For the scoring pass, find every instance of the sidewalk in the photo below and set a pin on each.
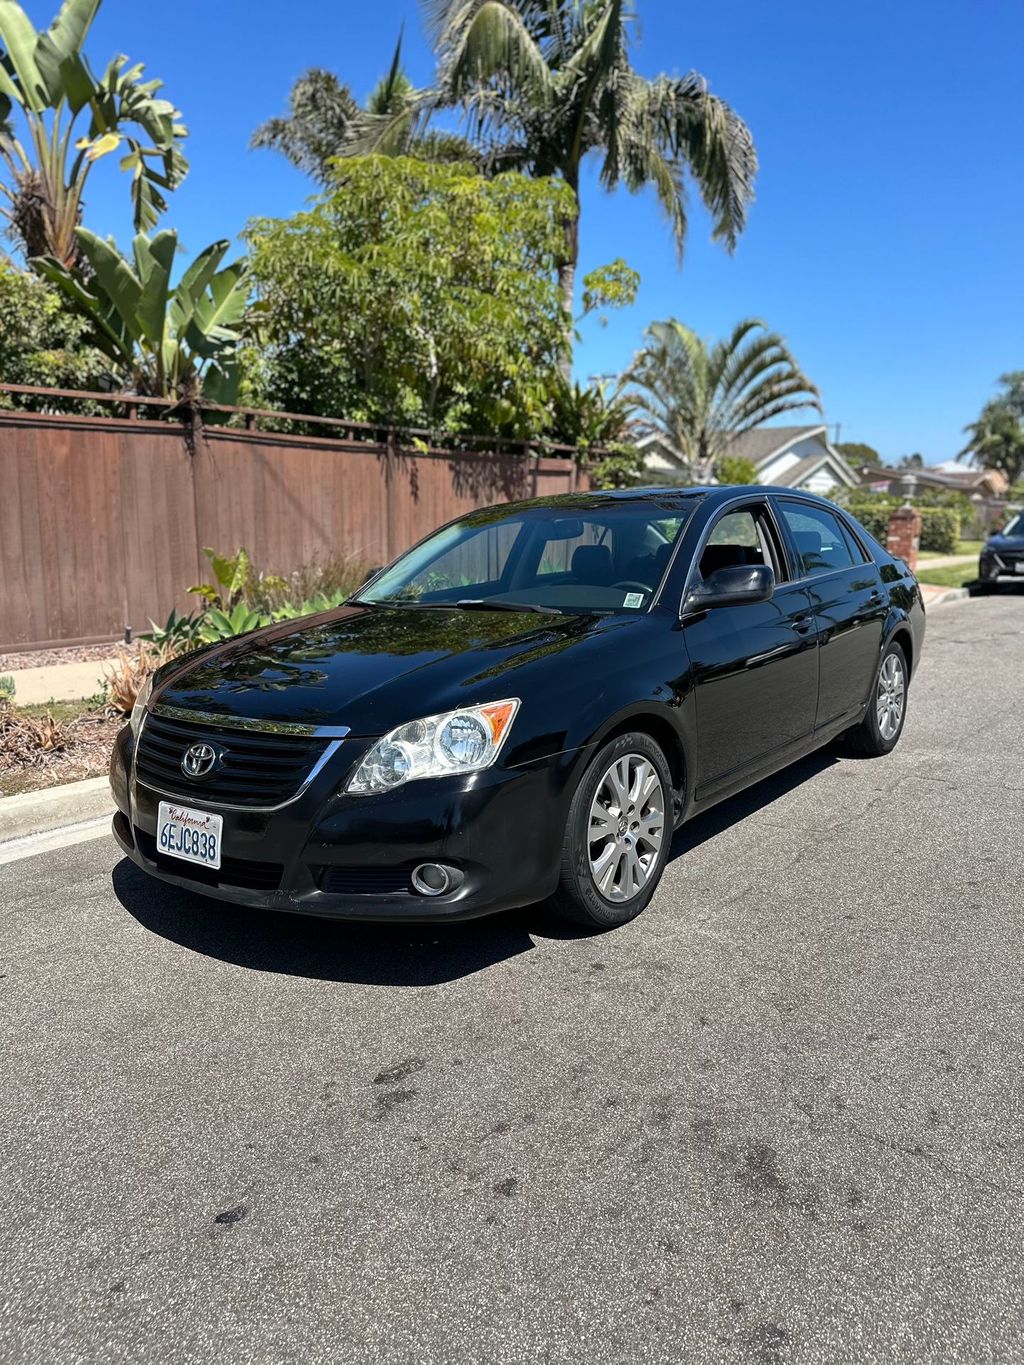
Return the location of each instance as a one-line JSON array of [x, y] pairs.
[[944, 561], [58, 682]]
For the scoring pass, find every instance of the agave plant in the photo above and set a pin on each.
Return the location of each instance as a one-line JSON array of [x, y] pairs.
[[46, 79], [164, 341]]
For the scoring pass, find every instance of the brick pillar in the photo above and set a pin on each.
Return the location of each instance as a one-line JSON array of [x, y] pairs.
[[904, 535]]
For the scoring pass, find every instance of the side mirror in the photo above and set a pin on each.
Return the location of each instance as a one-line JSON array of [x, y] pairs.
[[732, 586], [371, 573]]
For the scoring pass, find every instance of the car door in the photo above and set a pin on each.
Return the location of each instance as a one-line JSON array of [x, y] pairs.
[[754, 666], [848, 603]]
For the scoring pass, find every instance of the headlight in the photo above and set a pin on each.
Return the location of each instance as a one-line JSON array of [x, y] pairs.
[[139, 709], [463, 741]]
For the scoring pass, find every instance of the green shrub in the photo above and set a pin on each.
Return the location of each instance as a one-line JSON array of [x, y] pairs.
[[940, 526], [873, 516], [940, 529], [735, 469], [6, 685]]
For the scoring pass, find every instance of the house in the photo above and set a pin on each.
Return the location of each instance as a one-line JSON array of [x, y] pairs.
[[980, 485], [791, 457], [985, 488]]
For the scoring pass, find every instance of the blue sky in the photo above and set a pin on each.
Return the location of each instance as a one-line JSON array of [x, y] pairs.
[[885, 242]]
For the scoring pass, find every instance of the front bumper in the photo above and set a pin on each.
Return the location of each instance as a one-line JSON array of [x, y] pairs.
[[501, 829], [992, 566]]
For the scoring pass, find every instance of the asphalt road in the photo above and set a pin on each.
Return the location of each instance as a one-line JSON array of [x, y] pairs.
[[779, 1118]]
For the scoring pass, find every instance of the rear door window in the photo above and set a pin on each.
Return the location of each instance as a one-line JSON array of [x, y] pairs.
[[822, 545]]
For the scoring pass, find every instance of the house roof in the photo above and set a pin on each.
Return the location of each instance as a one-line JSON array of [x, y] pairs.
[[803, 469], [761, 443]]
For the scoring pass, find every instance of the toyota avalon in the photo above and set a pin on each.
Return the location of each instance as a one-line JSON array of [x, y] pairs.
[[523, 707]]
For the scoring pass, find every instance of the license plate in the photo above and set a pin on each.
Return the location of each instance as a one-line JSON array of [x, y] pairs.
[[192, 835]]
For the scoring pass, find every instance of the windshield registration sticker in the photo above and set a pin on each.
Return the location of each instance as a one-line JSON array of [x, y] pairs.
[[634, 599]]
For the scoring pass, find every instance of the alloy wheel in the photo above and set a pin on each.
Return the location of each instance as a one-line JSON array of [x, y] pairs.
[[889, 698], [627, 827]]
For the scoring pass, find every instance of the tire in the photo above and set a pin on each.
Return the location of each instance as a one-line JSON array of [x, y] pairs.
[[624, 836], [873, 737]]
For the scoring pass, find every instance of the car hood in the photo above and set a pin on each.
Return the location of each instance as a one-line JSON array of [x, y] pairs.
[[1005, 543], [369, 668]]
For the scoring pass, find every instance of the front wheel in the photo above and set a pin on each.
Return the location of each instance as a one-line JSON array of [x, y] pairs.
[[618, 834], [880, 730]]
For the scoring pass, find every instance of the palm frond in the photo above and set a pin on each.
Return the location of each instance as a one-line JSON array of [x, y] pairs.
[[488, 40], [702, 133], [700, 396]]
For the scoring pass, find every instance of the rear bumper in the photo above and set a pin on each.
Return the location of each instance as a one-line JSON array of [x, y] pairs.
[[501, 830]]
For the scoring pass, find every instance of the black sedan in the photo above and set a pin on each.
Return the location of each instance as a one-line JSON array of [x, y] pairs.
[[1002, 555], [524, 706]]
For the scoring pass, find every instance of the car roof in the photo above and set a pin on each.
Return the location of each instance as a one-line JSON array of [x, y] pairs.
[[660, 492]]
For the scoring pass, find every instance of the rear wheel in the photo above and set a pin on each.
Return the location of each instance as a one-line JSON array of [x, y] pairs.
[[880, 730], [618, 834]]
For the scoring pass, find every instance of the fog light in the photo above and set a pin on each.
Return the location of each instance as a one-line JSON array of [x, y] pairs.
[[431, 879]]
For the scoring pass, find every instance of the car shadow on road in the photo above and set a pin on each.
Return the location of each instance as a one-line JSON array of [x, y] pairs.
[[699, 829], [331, 950], [388, 954]]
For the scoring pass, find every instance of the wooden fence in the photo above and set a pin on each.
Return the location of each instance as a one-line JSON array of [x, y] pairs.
[[103, 520]]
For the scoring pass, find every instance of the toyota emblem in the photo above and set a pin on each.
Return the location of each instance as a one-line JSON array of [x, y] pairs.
[[198, 760]]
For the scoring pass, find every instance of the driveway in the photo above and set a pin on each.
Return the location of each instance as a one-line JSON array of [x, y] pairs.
[[776, 1119]]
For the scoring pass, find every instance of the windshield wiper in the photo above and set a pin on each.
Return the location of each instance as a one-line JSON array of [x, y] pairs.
[[490, 604]]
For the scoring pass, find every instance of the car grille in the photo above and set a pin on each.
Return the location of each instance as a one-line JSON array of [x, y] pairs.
[[241, 872], [365, 881], [254, 768]]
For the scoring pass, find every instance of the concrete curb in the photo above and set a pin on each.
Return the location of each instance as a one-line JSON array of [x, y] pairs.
[[39, 812], [950, 595]]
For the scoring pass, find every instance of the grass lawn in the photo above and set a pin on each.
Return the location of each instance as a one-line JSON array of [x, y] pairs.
[[964, 547], [954, 576]]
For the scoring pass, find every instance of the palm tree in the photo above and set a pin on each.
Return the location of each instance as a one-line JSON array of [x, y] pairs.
[[997, 442], [46, 80], [545, 83], [697, 396], [324, 119]]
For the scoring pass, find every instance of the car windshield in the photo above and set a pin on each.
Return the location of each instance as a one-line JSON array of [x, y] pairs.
[[596, 554], [1016, 526]]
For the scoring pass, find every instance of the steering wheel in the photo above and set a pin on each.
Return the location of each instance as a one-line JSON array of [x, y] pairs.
[[632, 583]]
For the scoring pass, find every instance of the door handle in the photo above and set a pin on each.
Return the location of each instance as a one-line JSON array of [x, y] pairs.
[[801, 624], [876, 598]]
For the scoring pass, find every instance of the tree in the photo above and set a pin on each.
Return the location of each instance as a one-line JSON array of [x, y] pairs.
[[46, 78], [163, 342], [857, 453], [697, 395], [735, 469], [997, 437], [42, 339], [544, 85], [323, 118], [413, 293]]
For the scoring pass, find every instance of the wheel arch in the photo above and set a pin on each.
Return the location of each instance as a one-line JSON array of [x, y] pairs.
[[902, 635], [665, 735]]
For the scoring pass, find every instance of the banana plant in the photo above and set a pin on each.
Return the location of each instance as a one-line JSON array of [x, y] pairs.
[[46, 80], [164, 341]]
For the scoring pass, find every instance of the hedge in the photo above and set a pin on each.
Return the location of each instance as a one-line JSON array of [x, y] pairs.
[[940, 526]]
